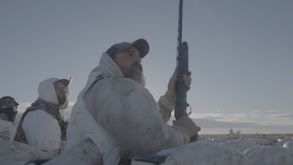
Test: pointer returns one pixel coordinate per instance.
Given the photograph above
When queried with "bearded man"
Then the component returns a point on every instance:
(43, 125)
(116, 104)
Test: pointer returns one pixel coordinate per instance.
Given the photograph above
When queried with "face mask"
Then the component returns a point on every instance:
(10, 112)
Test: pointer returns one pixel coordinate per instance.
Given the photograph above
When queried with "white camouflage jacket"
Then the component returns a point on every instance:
(125, 111)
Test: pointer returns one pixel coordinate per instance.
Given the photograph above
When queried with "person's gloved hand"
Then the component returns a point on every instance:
(170, 94)
(186, 123)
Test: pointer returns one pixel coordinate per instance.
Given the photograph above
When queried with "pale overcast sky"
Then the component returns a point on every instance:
(241, 53)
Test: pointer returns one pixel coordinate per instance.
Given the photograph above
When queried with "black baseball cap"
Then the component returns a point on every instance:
(64, 81)
(140, 44)
(7, 100)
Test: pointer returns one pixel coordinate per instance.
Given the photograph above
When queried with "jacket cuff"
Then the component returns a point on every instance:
(166, 103)
(186, 137)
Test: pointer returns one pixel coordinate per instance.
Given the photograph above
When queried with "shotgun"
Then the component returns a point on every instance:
(182, 69)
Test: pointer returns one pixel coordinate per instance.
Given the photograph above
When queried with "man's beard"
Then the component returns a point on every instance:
(62, 99)
(135, 72)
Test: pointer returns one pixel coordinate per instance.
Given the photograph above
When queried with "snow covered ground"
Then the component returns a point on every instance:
(206, 151)
(224, 151)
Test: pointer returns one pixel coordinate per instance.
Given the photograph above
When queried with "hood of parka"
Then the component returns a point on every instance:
(47, 91)
(108, 64)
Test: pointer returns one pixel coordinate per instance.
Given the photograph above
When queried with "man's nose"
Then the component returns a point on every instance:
(138, 59)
